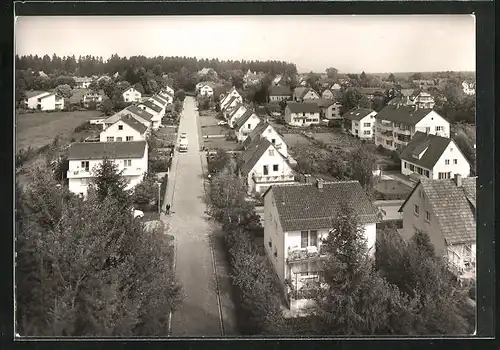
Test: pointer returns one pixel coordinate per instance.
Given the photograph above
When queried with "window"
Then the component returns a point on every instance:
(366, 132)
(356, 123)
(367, 125)
(313, 238)
(265, 170)
(442, 176)
(127, 163)
(119, 139)
(447, 162)
(426, 173)
(249, 126)
(388, 142)
(427, 216)
(439, 128)
(110, 139)
(416, 210)
(455, 161)
(412, 167)
(130, 138)
(419, 171)
(120, 127)
(406, 165)
(85, 165)
(304, 235)
(273, 141)
(427, 129)
(275, 167)
(271, 152)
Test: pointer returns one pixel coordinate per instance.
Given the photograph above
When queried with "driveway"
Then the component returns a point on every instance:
(199, 314)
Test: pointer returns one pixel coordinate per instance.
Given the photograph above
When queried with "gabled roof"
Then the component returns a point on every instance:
(235, 109)
(253, 153)
(255, 133)
(403, 114)
(151, 105)
(321, 102)
(369, 91)
(48, 95)
(304, 206)
(280, 90)
(159, 99)
(134, 123)
(296, 107)
(243, 119)
(433, 145)
(357, 114)
(30, 94)
(140, 112)
(113, 150)
(228, 103)
(454, 207)
(300, 91)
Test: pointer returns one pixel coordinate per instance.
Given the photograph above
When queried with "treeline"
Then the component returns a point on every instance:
(92, 65)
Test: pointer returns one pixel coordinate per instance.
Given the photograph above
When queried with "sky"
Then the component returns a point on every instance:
(374, 44)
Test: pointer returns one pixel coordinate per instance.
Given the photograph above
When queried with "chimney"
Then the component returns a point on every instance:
(320, 182)
(458, 180)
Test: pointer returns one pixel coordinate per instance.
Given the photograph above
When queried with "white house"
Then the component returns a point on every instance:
(232, 93)
(131, 157)
(32, 98)
(433, 157)
(280, 93)
(296, 219)
(126, 129)
(266, 130)
(446, 211)
(304, 93)
(167, 96)
(422, 99)
(91, 97)
(395, 125)
(469, 88)
(231, 102)
(82, 82)
(206, 90)
(329, 108)
(232, 115)
(137, 113)
(159, 101)
(361, 123)
(336, 86)
(328, 94)
(131, 95)
(44, 101)
(263, 166)
(156, 111)
(169, 90)
(302, 114)
(244, 125)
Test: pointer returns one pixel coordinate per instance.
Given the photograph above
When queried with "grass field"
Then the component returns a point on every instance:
(337, 139)
(295, 140)
(38, 129)
(221, 143)
(392, 188)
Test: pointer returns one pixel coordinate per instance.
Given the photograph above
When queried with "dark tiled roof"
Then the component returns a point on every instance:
(433, 145)
(369, 91)
(357, 114)
(403, 114)
(304, 206)
(140, 112)
(300, 91)
(235, 109)
(243, 119)
(259, 129)
(321, 102)
(151, 105)
(134, 123)
(253, 153)
(280, 91)
(159, 99)
(34, 93)
(454, 207)
(113, 150)
(228, 103)
(296, 107)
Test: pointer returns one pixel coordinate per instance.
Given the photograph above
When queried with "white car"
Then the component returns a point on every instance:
(222, 122)
(183, 135)
(137, 213)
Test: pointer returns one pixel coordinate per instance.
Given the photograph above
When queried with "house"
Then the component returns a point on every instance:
(360, 123)
(82, 82)
(159, 101)
(336, 86)
(370, 93)
(89, 98)
(279, 93)
(206, 90)
(329, 108)
(244, 125)
(232, 93)
(263, 166)
(277, 79)
(169, 90)
(302, 114)
(422, 99)
(42, 74)
(207, 71)
(266, 130)
(125, 129)
(44, 101)
(469, 88)
(156, 111)
(130, 157)
(395, 125)
(137, 113)
(235, 113)
(167, 96)
(303, 93)
(327, 94)
(296, 219)
(446, 210)
(424, 84)
(131, 95)
(107, 78)
(231, 102)
(433, 157)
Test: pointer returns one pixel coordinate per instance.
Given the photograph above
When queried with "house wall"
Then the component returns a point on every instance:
(273, 233)
(206, 91)
(48, 103)
(269, 160)
(271, 134)
(169, 89)
(431, 121)
(236, 116)
(327, 94)
(406, 169)
(232, 104)
(412, 222)
(226, 103)
(131, 95)
(275, 98)
(247, 128)
(310, 95)
(336, 87)
(290, 118)
(32, 102)
(113, 131)
(332, 112)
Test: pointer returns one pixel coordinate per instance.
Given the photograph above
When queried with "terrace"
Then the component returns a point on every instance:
(272, 178)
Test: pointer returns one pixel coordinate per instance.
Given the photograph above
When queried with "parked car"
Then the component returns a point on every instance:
(137, 213)
(222, 122)
(183, 135)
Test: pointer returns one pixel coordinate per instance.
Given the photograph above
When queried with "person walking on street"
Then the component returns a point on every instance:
(167, 209)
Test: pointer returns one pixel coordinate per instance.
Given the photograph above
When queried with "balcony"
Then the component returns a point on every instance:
(386, 133)
(272, 178)
(385, 126)
(403, 138)
(82, 173)
(298, 255)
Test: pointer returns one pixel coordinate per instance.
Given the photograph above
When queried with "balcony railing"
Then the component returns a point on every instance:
(78, 173)
(272, 178)
(304, 254)
(385, 126)
(386, 133)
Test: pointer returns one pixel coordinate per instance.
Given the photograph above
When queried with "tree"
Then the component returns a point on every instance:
(362, 163)
(416, 76)
(145, 191)
(332, 73)
(353, 98)
(363, 78)
(391, 78)
(180, 95)
(139, 87)
(64, 90)
(108, 181)
(220, 160)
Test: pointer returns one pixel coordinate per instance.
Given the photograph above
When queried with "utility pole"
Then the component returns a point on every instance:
(159, 202)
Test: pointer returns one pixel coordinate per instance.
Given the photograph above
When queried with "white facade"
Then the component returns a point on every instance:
(468, 89)
(247, 128)
(231, 104)
(332, 111)
(336, 87)
(237, 115)
(364, 128)
(32, 102)
(227, 98)
(424, 100)
(310, 95)
(131, 95)
(170, 90)
(270, 169)
(206, 91)
(45, 101)
(328, 94)
(81, 172)
(398, 135)
(272, 135)
(451, 162)
(301, 119)
(88, 98)
(120, 132)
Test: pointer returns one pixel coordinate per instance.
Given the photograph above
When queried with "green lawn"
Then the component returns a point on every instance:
(40, 128)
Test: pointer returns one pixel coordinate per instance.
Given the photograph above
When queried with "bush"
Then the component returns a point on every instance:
(159, 165)
(86, 126)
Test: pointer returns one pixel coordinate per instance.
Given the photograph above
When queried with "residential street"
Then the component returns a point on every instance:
(199, 313)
